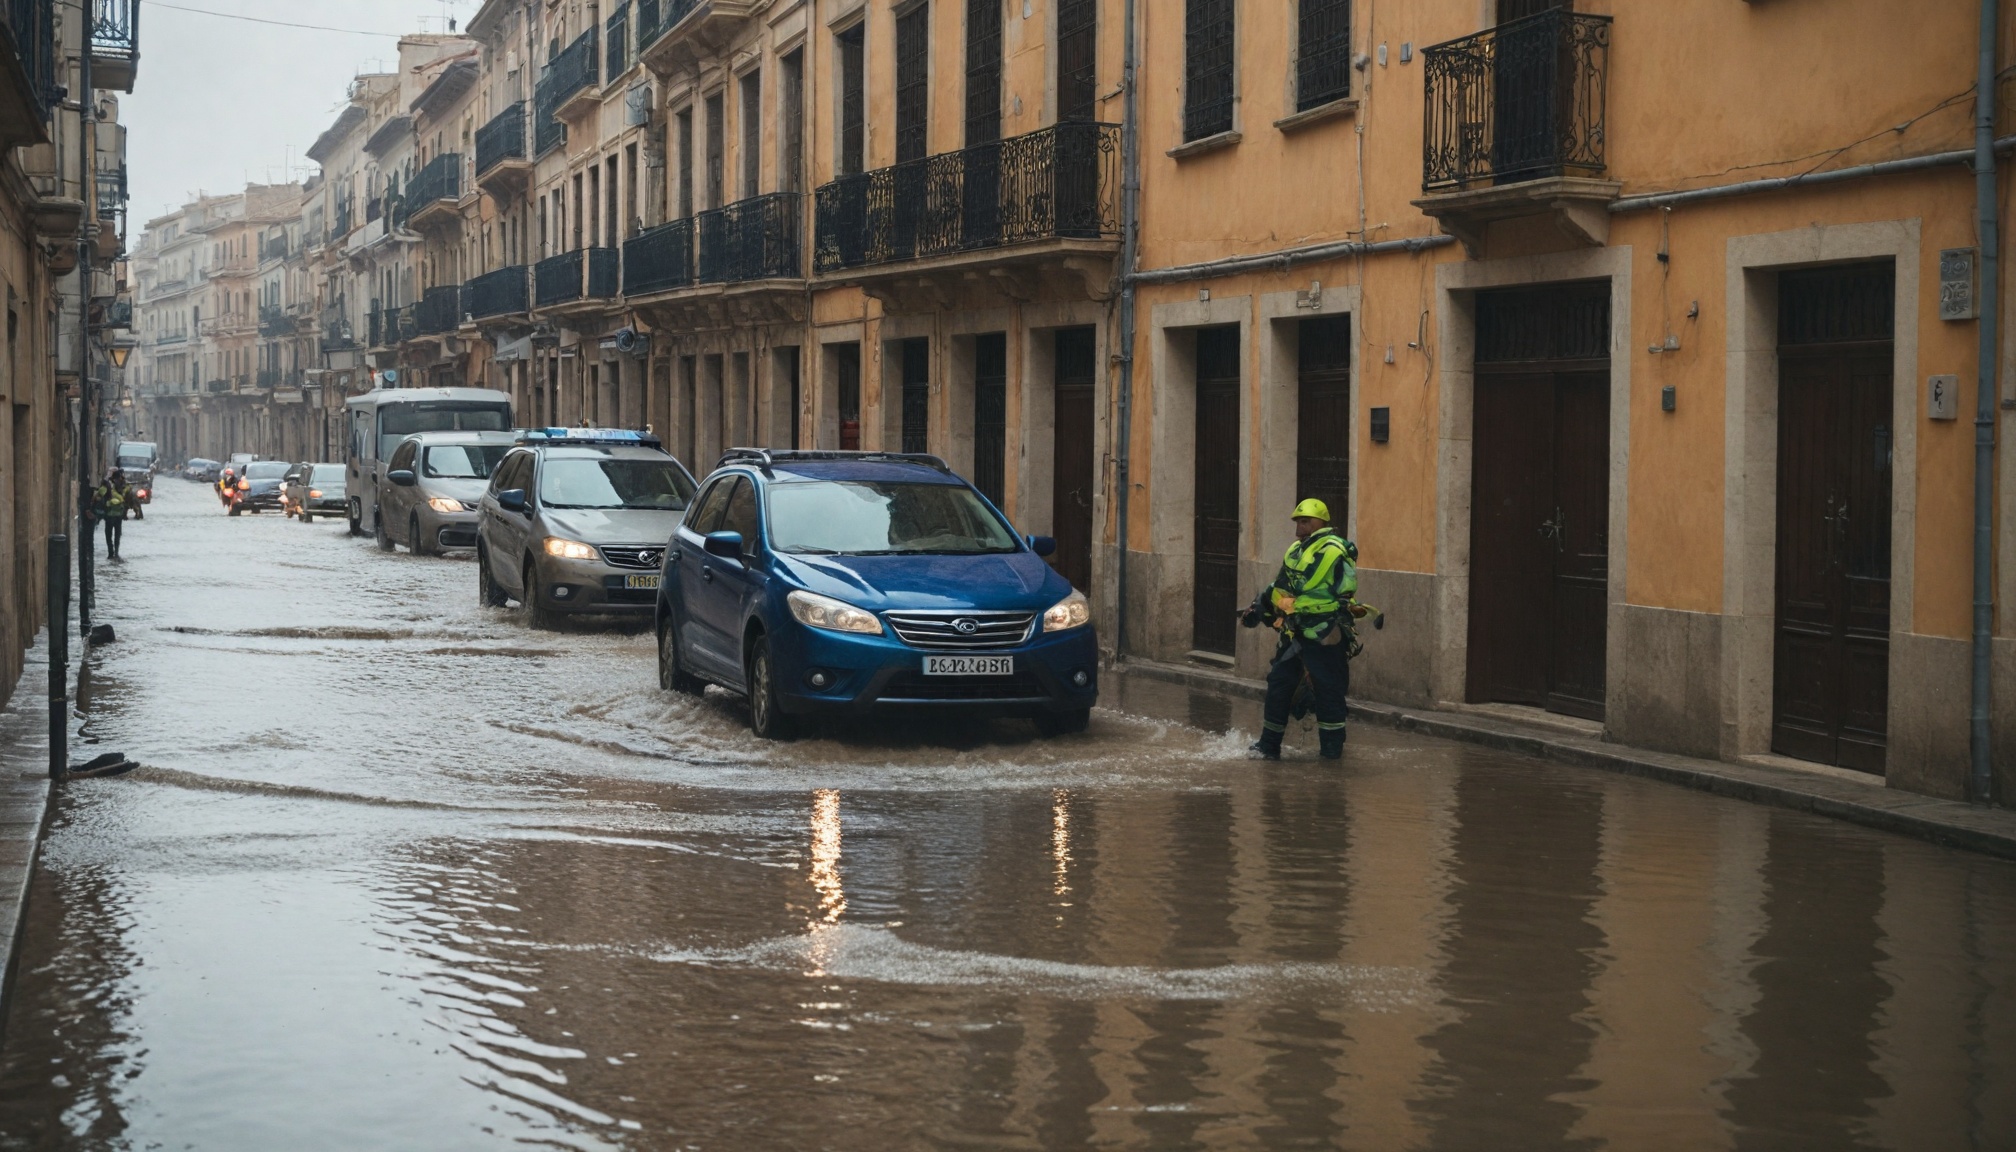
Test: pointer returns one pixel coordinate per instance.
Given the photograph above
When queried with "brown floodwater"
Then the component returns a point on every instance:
(401, 873)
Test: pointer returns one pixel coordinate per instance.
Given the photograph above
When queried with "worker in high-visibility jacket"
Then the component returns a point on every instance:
(1310, 604)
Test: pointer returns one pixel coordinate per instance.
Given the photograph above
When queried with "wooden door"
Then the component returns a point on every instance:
(1216, 571)
(1831, 683)
(1074, 459)
(990, 416)
(1323, 415)
(1578, 602)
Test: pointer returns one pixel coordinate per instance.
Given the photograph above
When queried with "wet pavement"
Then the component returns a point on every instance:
(402, 873)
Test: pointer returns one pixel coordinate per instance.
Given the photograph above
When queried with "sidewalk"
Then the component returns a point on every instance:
(24, 800)
(1825, 792)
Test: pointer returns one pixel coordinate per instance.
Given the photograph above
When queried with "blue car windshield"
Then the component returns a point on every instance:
(879, 518)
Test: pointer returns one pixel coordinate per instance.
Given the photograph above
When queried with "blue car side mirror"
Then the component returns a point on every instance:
(726, 545)
(1042, 545)
(511, 499)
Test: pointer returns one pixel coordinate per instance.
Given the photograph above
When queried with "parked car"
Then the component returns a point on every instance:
(201, 470)
(317, 490)
(827, 583)
(575, 521)
(287, 483)
(258, 487)
(433, 484)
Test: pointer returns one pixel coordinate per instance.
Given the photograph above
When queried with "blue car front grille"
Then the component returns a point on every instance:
(963, 631)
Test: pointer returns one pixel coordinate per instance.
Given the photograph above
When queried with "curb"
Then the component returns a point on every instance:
(25, 796)
(1949, 823)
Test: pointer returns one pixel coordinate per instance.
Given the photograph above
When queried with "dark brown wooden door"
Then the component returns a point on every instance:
(1540, 540)
(1323, 415)
(1074, 459)
(1831, 684)
(1216, 570)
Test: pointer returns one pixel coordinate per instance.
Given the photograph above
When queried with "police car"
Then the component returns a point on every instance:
(576, 520)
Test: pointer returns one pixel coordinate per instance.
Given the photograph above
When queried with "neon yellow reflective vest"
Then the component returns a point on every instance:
(1318, 576)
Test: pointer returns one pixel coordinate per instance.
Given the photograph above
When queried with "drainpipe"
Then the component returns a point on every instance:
(1130, 251)
(87, 402)
(1982, 778)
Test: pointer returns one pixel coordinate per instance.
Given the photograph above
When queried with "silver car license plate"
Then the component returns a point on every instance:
(643, 583)
(969, 665)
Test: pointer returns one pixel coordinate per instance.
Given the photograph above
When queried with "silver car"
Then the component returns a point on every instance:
(577, 521)
(432, 485)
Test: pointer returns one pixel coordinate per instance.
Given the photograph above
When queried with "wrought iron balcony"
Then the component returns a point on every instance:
(274, 321)
(115, 43)
(753, 239)
(1522, 101)
(499, 293)
(269, 378)
(391, 325)
(439, 310)
(660, 259)
(583, 274)
(502, 139)
(336, 333)
(29, 54)
(668, 28)
(217, 386)
(605, 273)
(569, 74)
(435, 188)
(1059, 183)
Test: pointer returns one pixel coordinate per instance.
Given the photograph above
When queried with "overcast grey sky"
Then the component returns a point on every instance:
(220, 101)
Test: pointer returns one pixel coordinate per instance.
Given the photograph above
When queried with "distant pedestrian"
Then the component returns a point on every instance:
(110, 502)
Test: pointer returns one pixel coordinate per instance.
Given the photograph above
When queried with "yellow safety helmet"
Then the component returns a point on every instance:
(1314, 508)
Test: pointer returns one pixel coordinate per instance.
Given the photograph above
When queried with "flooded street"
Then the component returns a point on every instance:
(402, 873)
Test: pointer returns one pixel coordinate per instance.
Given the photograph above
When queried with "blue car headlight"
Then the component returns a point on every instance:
(1071, 612)
(816, 611)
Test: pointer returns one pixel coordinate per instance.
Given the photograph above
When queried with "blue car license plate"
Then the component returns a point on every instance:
(643, 583)
(969, 665)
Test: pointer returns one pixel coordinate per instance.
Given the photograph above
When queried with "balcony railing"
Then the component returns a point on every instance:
(753, 239)
(503, 138)
(440, 310)
(274, 321)
(31, 27)
(391, 325)
(659, 260)
(215, 386)
(656, 17)
(1062, 182)
(1522, 101)
(569, 72)
(616, 43)
(583, 274)
(499, 293)
(336, 333)
(605, 273)
(269, 378)
(115, 41)
(440, 179)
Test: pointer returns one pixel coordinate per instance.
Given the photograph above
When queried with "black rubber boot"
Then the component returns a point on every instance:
(1332, 747)
(1268, 747)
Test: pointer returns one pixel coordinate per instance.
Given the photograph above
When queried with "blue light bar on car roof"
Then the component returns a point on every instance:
(623, 436)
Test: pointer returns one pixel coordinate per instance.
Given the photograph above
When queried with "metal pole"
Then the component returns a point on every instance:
(59, 655)
(87, 400)
(1130, 249)
(1981, 782)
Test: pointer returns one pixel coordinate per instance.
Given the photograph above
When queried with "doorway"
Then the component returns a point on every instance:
(1073, 458)
(990, 416)
(1831, 653)
(1323, 415)
(916, 395)
(847, 394)
(1216, 570)
(1540, 499)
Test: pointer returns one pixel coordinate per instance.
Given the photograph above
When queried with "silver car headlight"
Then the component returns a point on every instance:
(569, 549)
(444, 504)
(816, 611)
(1074, 611)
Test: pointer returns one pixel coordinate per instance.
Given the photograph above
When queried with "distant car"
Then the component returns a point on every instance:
(831, 583)
(135, 460)
(259, 486)
(317, 490)
(201, 470)
(287, 482)
(576, 520)
(433, 484)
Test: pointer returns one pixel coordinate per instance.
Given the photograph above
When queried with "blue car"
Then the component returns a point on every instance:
(852, 583)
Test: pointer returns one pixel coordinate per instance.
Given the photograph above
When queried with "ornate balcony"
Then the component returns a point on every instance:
(585, 274)
(1514, 128)
(753, 239)
(439, 310)
(568, 81)
(274, 321)
(499, 293)
(115, 44)
(658, 260)
(436, 191)
(502, 166)
(1050, 196)
(672, 33)
(28, 70)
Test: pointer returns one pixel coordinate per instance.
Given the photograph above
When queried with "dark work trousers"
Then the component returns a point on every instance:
(1329, 672)
(114, 527)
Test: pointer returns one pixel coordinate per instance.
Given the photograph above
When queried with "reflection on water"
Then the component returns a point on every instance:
(562, 909)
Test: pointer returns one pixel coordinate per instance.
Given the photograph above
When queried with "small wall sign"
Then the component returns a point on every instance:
(1942, 397)
(1956, 284)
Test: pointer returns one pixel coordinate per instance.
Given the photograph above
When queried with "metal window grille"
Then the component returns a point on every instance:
(1078, 59)
(1550, 322)
(1323, 53)
(913, 80)
(983, 71)
(1207, 68)
(1837, 305)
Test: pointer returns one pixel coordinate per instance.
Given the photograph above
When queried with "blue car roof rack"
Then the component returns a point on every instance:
(766, 458)
(607, 437)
